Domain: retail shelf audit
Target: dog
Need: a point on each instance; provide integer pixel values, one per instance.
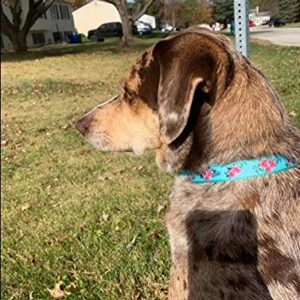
(195, 101)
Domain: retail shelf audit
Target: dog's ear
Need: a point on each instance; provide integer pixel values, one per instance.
(185, 63)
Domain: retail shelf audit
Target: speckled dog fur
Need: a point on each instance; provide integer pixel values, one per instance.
(195, 101)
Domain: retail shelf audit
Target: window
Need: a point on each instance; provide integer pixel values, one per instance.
(54, 12)
(64, 12)
(43, 16)
(58, 36)
(67, 35)
(38, 38)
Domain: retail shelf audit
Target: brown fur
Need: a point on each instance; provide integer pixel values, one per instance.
(195, 101)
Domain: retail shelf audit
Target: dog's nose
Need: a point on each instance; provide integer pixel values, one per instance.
(82, 126)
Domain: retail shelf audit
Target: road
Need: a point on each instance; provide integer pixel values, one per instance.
(279, 36)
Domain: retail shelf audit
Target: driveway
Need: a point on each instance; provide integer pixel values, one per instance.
(279, 36)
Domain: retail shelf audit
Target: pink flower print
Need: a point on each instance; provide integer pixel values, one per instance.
(268, 165)
(272, 164)
(291, 163)
(234, 171)
(207, 174)
(264, 163)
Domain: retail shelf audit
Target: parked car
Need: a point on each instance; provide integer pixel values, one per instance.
(105, 30)
(277, 22)
(265, 22)
(166, 28)
(251, 24)
(143, 28)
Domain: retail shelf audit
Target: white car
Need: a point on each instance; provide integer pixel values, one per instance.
(143, 28)
(167, 28)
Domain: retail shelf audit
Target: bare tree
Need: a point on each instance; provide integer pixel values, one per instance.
(129, 17)
(15, 23)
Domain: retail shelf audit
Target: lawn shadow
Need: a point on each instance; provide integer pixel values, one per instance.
(113, 45)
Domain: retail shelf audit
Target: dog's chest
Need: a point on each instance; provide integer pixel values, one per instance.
(216, 244)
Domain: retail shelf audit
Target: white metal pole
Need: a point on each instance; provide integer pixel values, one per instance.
(241, 20)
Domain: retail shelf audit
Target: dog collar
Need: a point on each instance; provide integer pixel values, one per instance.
(242, 169)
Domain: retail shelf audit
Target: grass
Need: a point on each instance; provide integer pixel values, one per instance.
(293, 25)
(90, 221)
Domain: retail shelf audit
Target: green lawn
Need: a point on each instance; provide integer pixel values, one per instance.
(91, 221)
(293, 25)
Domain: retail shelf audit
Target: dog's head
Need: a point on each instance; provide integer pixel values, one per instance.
(162, 98)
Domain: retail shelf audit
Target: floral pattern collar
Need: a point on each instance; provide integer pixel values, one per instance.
(242, 169)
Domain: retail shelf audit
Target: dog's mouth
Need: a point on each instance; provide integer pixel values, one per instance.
(104, 146)
(127, 151)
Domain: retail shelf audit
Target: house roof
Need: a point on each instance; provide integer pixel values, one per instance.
(263, 13)
(260, 14)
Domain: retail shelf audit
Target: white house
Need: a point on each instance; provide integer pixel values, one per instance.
(257, 17)
(149, 20)
(53, 26)
(96, 12)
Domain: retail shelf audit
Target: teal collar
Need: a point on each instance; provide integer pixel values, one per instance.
(242, 169)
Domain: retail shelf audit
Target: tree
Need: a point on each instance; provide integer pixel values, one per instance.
(77, 3)
(130, 14)
(15, 23)
(223, 11)
(189, 12)
(263, 4)
(194, 12)
(289, 10)
(286, 9)
(266, 5)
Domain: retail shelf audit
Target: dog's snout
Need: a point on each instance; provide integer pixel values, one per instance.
(83, 125)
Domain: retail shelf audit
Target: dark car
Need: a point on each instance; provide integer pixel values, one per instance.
(276, 22)
(108, 30)
(105, 30)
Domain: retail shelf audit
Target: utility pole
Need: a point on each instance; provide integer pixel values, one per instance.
(241, 19)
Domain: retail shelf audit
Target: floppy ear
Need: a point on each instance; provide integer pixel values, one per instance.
(185, 63)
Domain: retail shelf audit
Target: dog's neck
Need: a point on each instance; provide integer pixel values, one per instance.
(247, 122)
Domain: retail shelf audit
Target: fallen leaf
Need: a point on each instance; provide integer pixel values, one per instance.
(84, 151)
(105, 217)
(73, 285)
(160, 208)
(119, 171)
(131, 244)
(57, 292)
(25, 207)
(138, 296)
(30, 296)
(66, 126)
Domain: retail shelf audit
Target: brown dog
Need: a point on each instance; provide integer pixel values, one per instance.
(196, 101)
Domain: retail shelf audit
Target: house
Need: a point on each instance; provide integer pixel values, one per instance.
(257, 17)
(149, 20)
(96, 12)
(55, 25)
(93, 14)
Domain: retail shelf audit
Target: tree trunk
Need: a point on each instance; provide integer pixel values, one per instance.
(18, 41)
(173, 14)
(126, 27)
(13, 29)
